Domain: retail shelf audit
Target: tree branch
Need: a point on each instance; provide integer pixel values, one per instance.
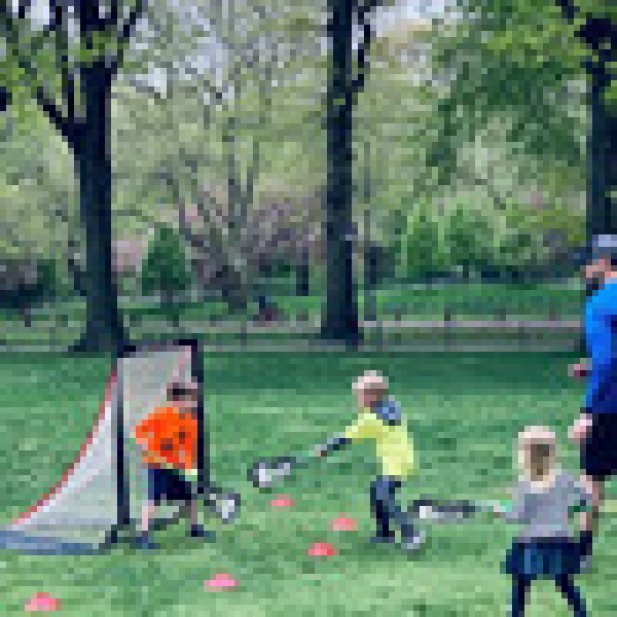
(367, 6)
(23, 8)
(364, 46)
(66, 128)
(594, 31)
(58, 23)
(569, 9)
(126, 32)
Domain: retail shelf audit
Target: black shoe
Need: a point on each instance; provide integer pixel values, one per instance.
(145, 543)
(197, 531)
(414, 543)
(381, 539)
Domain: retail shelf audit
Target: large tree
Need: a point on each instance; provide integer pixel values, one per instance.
(521, 64)
(347, 76)
(595, 25)
(68, 64)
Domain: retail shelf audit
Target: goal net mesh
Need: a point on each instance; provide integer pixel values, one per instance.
(82, 508)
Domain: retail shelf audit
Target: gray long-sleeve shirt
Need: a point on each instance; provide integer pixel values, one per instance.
(545, 513)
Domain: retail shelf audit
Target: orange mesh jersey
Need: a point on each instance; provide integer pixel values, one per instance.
(168, 436)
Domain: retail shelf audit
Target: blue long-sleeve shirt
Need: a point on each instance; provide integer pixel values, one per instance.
(601, 334)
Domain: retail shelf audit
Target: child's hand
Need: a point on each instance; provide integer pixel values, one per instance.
(191, 474)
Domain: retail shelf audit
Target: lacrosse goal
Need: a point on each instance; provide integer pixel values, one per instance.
(101, 492)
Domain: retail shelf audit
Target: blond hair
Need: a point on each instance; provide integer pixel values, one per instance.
(370, 381)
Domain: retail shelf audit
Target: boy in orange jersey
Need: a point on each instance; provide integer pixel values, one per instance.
(168, 440)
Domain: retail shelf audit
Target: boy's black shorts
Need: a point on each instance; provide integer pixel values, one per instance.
(599, 450)
(167, 485)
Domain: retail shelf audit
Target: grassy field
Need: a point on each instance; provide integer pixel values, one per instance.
(463, 411)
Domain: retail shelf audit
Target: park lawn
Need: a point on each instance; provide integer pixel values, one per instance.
(463, 411)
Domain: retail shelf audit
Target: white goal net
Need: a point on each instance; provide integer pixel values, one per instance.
(106, 482)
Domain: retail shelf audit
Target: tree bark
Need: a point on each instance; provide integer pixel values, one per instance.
(340, 322)
(104, 331)
(303, 275)
(602, 157)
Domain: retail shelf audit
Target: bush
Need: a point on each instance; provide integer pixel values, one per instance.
(422, 254)
(25, 283)
(469, 239)
(165, 270)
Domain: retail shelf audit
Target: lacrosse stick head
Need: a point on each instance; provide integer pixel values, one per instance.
(225, 505)
(448, 511)
(266, 472)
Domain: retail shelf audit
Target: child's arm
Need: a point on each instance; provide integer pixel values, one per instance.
(362, 428)
(334, 443)
(581, 497)
(517, 512)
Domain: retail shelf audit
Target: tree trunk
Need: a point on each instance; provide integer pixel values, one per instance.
(602, 153)
(104, 331)
(341, 311)
(371, 280)
(303, 283)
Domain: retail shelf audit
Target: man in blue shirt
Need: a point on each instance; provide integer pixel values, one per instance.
(596, 428)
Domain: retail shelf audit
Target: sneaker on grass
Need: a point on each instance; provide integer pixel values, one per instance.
(144, 542)
(197, 531)
(415, 543)
(381, 539)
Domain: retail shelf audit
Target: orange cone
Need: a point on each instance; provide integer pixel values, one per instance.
(322, 549)
(221, 581)
(344, 523)
(42, 603)
(282, 501)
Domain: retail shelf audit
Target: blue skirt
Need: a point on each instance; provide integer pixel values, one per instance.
(544, 558)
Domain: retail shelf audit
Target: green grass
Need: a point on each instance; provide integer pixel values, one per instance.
(463, 411)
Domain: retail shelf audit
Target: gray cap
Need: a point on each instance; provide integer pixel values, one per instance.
(604, 245)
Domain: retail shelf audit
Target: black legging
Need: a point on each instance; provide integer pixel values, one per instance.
(565, 584)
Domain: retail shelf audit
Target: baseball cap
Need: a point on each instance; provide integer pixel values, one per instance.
(604, 245)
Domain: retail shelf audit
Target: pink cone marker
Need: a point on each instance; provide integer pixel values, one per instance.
(344, 523)
(42, 603)
(282, 501)
(322, 549)
(220, 581)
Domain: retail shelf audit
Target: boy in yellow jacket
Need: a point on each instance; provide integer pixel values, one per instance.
(380, 419)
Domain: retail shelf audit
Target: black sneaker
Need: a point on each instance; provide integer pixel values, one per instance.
(414, 543)
(197, 531)
(381, 539)
(144, 542)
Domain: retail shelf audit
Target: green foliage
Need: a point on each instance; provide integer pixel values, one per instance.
(516, 59)
(165, 269)
(469, 238)
(422, 251)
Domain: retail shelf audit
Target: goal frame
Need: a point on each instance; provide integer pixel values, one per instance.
(22, 542)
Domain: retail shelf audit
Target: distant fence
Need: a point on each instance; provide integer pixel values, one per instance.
(447, 316)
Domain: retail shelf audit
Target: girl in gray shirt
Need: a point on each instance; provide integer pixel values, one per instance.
(542, 502)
